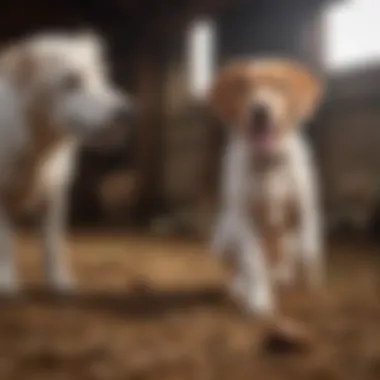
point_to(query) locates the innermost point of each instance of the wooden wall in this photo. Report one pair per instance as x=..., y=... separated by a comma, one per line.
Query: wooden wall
x=283, y=28
x=348, y=144
x=186, y=151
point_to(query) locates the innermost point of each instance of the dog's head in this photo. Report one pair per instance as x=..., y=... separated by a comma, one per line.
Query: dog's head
x=264, y=100
x=66, y=76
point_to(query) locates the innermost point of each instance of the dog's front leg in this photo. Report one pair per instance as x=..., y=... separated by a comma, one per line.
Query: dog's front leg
x=55, y=258
x=311, y=241
x=254, y=270
x=222, y=237
x=285, y=271
x=8, y=276
x=225, y=237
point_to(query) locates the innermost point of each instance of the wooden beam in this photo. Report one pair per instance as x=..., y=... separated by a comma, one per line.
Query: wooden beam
x=149, y=91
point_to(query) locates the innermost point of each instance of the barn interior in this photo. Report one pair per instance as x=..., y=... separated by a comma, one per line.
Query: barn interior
x=151, y=301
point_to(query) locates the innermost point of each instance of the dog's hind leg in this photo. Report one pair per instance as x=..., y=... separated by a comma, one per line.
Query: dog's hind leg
x=55, y=258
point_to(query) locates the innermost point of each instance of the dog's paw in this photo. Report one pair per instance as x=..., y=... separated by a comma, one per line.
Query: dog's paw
x=260, y=302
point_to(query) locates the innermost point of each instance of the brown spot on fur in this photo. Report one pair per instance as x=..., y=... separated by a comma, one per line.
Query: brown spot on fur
x=271, y=235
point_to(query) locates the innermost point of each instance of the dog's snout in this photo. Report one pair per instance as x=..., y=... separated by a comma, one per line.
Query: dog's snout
x=260, y=123
x=124, y=115
x=260, y=113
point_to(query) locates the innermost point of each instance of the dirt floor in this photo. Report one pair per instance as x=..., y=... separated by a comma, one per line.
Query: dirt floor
x=153, y=309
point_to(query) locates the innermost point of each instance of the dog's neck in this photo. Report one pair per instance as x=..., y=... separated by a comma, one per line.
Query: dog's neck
x=267, y=163
x=45, y=134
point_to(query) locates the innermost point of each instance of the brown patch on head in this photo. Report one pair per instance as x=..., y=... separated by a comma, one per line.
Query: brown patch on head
x=228, y=95
x=288, y=92
x=295, y=82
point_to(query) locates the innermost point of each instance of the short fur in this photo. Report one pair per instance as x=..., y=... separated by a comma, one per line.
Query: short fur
x=54, y=93
x=263, y=190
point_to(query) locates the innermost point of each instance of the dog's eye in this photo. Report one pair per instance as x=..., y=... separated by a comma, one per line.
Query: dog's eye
x=71, y=82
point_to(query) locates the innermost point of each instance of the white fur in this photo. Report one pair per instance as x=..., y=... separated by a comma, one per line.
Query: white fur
x=77, y=112
x=235, y=227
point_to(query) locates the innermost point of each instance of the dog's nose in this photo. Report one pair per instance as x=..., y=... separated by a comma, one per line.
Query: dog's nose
x=260, y=114
x=125, y=115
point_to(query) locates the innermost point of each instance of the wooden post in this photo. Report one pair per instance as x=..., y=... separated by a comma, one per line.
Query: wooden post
x=147, y=149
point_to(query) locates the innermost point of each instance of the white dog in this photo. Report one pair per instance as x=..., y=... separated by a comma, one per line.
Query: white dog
x=54, y=92
x=267, y=172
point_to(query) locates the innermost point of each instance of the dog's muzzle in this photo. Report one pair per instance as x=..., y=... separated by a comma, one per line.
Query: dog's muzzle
x=259, y=120
x=125, y=115
x=117, y=129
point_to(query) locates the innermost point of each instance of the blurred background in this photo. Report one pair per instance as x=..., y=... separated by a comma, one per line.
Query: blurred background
x=150, y=302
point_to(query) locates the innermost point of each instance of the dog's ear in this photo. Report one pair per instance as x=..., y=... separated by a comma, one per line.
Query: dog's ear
x=303, y=87
x=229, y=90
x=307, y=90
x=88, y=36
x=20, y=66
x=90, y=41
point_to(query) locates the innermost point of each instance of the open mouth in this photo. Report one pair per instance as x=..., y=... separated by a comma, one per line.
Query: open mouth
x=261, y=130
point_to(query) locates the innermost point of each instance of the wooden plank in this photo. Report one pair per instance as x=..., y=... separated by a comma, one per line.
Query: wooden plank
x=147, y=163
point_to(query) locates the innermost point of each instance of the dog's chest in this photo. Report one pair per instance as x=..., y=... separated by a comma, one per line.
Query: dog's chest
x=272, y=197
x=273, y=208
x=26, y=186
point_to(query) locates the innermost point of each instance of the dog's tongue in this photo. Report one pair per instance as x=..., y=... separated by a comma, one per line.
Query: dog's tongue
x=263, y=141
